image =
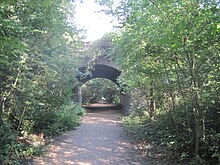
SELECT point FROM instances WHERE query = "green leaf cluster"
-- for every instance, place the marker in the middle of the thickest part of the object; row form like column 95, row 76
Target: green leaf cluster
column 98, row 89
column 39, row 53
column 169, row 51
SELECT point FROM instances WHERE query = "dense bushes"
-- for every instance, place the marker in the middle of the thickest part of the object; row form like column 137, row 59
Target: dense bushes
column 52, row 123
column 172, row 145
column 7, row 144
column 38, row 61
column 17, row 145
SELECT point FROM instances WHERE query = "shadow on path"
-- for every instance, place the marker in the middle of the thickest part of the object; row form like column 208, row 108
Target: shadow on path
column 99, row 140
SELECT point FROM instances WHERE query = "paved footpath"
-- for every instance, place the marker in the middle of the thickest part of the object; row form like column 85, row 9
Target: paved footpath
column 99, row 140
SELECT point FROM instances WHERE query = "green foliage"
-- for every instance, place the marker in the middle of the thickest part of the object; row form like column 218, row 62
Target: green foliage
column 51, row 123
column 39, row 54
column 160, row 134
column 7, row 144
column 100, row 50
column 11, row 149
column 98, row 89
column 169, row 52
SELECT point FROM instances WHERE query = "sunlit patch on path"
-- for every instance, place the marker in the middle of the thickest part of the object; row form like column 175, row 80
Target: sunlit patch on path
column 98, row 106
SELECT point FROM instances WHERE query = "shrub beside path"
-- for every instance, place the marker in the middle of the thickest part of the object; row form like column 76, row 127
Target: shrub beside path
column 99, row 140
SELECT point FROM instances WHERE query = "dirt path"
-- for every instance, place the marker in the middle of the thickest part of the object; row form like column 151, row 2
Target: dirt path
column 99, row 140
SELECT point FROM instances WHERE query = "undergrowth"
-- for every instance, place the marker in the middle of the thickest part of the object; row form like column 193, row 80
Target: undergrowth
column 52, row 123
column 173, row 146
column 17, row 145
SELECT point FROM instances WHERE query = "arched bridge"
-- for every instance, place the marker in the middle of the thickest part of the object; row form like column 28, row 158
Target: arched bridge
column 98, row 71
column 102, row 69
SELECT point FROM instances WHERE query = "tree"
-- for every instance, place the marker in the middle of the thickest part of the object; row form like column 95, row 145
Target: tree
column 39, row 54
column 169, row 51
column 97, row 89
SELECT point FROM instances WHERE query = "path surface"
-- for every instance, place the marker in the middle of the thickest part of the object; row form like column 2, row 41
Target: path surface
column 99, row 140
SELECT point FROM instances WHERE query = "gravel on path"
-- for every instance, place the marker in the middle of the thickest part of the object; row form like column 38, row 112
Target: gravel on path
column 99, row 140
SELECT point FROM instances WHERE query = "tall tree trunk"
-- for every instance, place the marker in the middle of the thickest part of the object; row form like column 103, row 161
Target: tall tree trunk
column 151, row 104
column 181, row 86
column 2, row 109
column 173, row 116
column 197, row 132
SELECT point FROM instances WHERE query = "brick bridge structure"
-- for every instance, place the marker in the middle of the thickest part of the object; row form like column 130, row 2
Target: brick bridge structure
column 102, row 69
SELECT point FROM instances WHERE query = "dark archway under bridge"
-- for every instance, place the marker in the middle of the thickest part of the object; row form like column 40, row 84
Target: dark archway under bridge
column 102, row 70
